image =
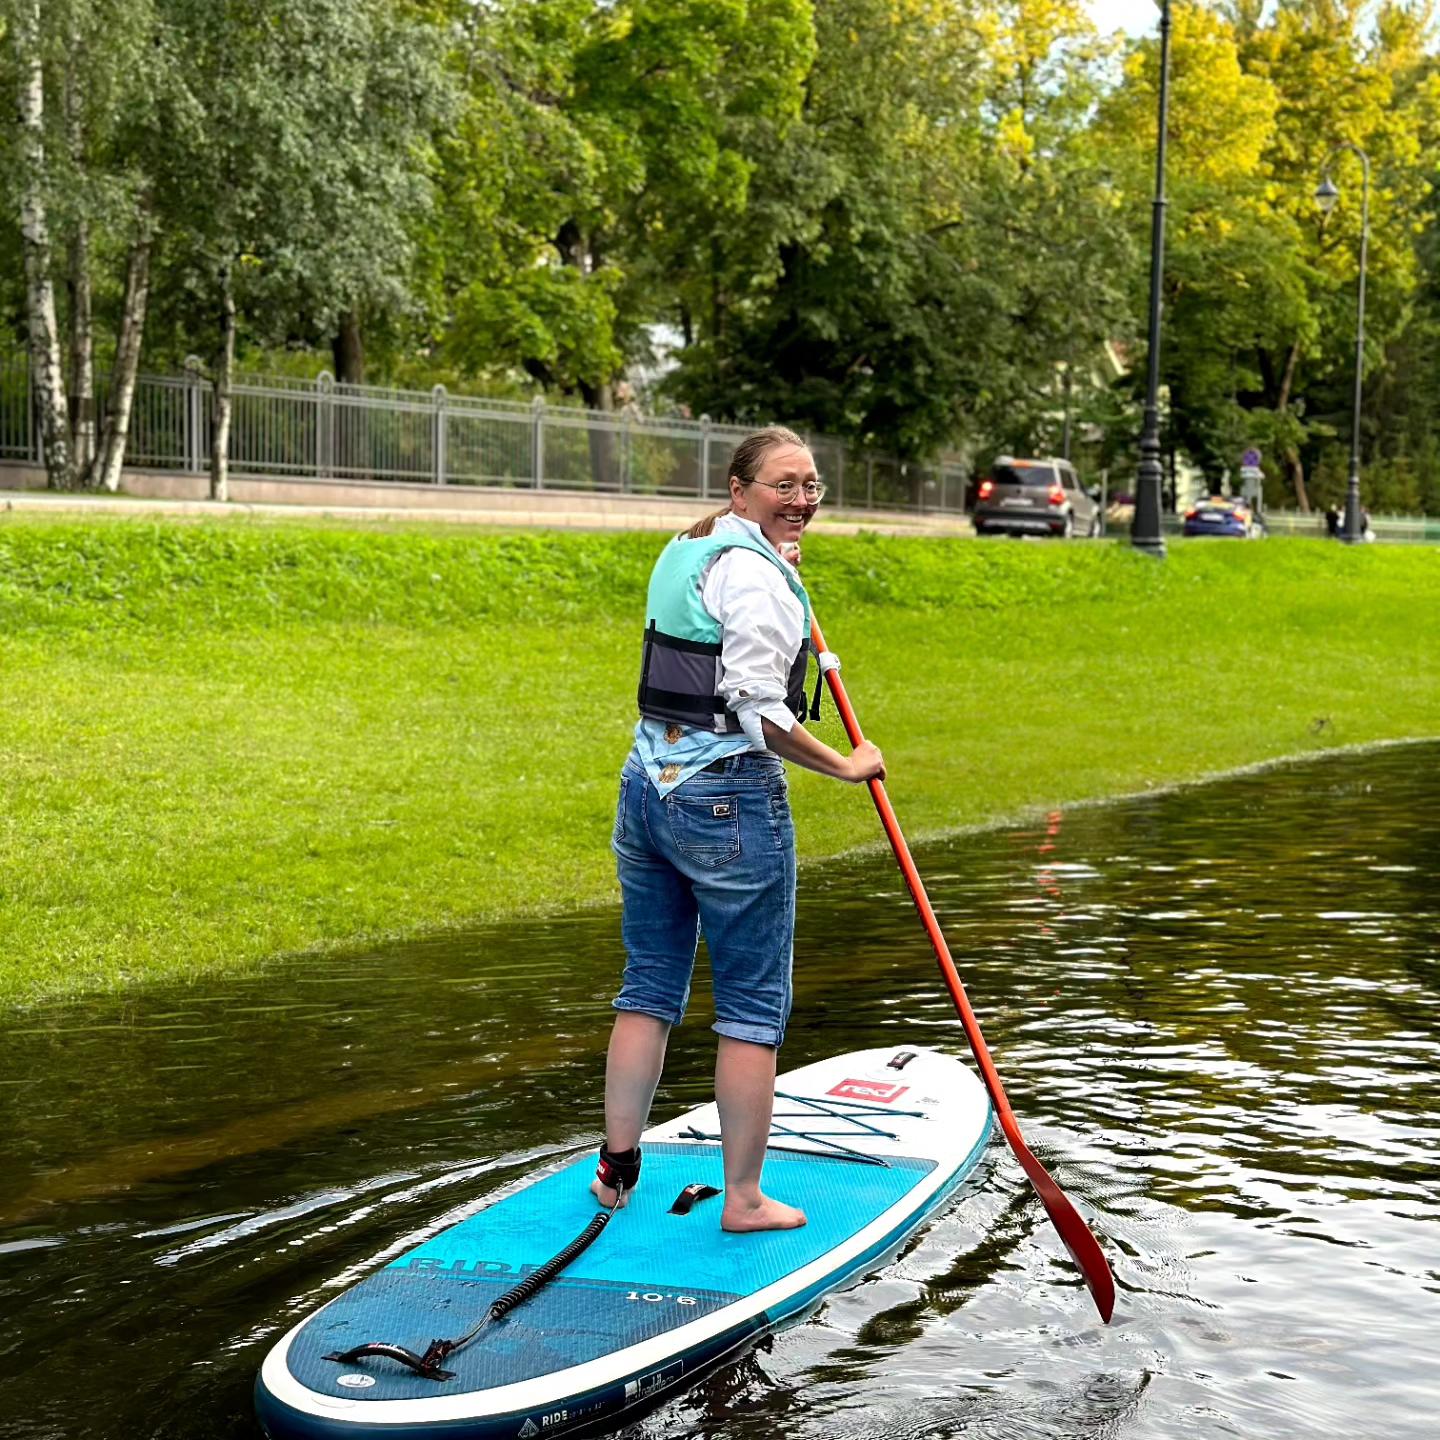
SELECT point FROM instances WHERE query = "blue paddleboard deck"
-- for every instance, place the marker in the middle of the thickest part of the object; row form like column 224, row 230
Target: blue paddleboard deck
column 868, row 1153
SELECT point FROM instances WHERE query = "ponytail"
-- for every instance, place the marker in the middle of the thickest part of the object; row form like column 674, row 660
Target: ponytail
column 702, row 527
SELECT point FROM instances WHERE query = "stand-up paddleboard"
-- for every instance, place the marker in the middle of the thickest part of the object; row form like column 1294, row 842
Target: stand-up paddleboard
column 869, row 1145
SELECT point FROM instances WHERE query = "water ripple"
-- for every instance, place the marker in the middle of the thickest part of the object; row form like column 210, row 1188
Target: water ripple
column 1215, row 1012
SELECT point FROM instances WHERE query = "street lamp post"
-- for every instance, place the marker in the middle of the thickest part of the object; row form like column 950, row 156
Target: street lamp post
column 1325, row 196
column 1145, row 528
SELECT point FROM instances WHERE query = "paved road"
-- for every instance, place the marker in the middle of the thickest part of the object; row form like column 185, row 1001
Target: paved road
column 547, row 509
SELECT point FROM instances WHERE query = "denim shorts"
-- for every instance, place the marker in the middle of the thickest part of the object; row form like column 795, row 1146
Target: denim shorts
column 717, row 854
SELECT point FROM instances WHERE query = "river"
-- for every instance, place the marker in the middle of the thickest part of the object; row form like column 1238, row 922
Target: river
column 1215, row 1011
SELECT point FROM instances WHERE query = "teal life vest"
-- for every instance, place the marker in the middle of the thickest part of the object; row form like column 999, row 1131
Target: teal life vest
column 680, row 666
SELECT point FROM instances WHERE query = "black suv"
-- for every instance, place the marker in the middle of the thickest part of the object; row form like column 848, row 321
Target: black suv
column 1034, row 497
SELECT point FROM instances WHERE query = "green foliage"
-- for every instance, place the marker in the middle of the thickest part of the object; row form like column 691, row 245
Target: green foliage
column 1260, row 291
column 929, row 246
column 592, row 138
column 287, row 141
column 915, row 224
column 109, row 68
column 295, row 158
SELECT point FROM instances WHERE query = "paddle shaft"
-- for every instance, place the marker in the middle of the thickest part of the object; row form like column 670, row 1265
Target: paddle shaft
column 1067, row 1220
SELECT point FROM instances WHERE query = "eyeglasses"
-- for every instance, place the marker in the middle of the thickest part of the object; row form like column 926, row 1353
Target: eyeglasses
column 787, row 490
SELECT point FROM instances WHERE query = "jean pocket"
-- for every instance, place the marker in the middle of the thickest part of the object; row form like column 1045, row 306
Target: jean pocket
column 706, row 828
column 617, row 835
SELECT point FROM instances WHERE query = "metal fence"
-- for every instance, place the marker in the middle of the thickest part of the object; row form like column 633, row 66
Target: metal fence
column 319, row 430
column 1395, row 529
column 18, row 440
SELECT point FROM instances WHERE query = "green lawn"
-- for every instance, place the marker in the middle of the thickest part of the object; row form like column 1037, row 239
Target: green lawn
column 224, row 740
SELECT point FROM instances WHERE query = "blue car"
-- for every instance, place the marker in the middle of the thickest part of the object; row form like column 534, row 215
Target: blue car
column 1221, row 516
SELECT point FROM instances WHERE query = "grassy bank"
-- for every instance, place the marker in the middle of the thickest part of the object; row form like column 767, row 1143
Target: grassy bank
column 219, row 741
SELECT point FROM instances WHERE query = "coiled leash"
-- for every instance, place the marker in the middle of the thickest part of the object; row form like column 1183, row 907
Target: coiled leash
column 619, row 1170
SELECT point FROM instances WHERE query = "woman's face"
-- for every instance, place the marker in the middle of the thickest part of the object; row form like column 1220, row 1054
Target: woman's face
column 782, row 522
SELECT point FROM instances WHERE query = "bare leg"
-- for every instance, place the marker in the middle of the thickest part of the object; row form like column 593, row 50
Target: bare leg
column 632, row 1071
column 745, row 1093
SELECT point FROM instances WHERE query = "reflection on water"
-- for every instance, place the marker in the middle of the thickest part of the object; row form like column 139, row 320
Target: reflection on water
column 1215, row 1012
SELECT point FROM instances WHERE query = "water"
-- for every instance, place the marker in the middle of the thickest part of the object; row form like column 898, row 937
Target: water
column 1215, row 1012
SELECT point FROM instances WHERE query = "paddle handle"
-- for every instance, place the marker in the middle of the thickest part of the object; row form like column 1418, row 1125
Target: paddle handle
column 1067, row 1220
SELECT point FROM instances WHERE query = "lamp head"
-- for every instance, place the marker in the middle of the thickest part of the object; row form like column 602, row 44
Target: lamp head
column 1326, row 196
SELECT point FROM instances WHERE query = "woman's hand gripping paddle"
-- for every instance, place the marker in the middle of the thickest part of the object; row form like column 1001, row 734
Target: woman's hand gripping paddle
column 1073, row 1231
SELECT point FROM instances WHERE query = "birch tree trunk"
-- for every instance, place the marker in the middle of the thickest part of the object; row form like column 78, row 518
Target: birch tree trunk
column 45, row 363
column 82, row 325
column 116, row 432
column 224, row 377
column 82, row 357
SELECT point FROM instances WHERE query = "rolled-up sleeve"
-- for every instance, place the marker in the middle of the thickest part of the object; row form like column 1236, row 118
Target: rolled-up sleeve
column 761, row 627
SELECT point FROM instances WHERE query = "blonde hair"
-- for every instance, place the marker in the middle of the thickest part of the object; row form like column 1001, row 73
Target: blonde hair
column 745, row 462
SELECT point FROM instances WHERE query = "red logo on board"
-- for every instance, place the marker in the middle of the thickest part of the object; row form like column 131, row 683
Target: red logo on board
column 869, row 1090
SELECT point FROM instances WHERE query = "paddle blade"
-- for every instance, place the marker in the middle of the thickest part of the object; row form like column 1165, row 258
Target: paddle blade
column 1084, row 1248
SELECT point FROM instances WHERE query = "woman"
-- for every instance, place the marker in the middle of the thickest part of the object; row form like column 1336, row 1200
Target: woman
column 703, row 835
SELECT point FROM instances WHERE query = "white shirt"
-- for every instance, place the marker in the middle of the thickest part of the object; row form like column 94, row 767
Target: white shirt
column 762, row 624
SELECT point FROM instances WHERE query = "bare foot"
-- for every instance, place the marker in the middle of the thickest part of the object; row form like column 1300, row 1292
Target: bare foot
column 763, row 1214
column 605, row 1196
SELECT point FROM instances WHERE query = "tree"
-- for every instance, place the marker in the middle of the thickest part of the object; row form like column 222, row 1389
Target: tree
column 593, row 135
column 267, row 155
column 87, row 74
column 33, row 153
column 840, row 296
column 297, row 157
column 1050, row 201
column 1235, row 284
column 931, row 250
column 1259, row 291
column 1403, row 466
